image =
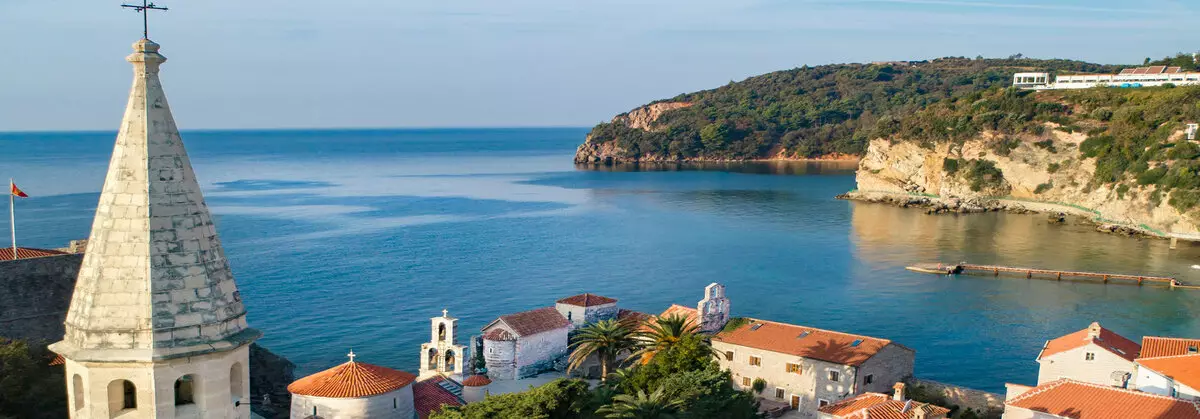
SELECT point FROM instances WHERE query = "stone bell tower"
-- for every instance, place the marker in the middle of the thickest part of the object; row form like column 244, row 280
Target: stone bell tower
column 156, row 327
column 713, row 309
column 442, row 354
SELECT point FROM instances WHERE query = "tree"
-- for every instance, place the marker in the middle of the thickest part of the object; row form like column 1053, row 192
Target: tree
column 606, row 339
column 642, row 406
column 663, row 333
column 29, row 386
column 558, row 399
column 690, row 353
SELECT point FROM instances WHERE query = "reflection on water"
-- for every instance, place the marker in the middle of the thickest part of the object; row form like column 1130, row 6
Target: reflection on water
column 774, row 167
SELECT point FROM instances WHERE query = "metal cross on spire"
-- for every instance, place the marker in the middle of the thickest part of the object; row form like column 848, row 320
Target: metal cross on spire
column 145, row 15
column 351, row 355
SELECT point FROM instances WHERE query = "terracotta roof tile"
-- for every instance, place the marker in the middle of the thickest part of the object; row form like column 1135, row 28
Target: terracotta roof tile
column 28, row 252
column 477, row 380
column 499, row 334
column 532, row 322
column 352, row 379
column 1154, row 347
column 58, row 360
column 808, row 342
column 674, row 310
column 1184, row 369
column 631, row 316
column 1079, row 400
column 429, row 396
column 1107, row 339
column 880, row 406
column 587, row 300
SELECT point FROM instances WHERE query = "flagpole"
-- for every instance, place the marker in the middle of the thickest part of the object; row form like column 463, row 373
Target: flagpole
column 12, row 216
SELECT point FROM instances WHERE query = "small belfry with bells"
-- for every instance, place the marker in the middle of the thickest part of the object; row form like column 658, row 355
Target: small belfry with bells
column 156, row 327
column 442, row 355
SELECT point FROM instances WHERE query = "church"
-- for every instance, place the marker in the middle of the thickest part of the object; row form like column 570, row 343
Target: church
column 156, row 327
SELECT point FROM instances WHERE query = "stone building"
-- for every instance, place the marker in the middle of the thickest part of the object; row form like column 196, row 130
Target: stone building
column 354, row 390
column 809, row 368
column 1095, row 355
column 525, row 344
column 156, row 327
column 879, row 405
column 442, row 355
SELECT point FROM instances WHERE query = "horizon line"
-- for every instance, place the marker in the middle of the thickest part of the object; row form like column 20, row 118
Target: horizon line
column 430, row 128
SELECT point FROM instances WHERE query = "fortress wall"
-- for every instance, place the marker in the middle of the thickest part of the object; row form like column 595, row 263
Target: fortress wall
column 35, row 294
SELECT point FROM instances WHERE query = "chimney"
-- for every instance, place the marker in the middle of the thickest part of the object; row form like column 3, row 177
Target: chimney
column 919, row 412
column 1094, row 331
column 899, row 394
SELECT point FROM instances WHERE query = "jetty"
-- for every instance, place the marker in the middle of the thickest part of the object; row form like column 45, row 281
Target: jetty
column 1031, row 273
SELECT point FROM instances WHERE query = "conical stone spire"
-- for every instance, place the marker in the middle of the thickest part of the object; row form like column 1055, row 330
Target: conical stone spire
column 155, row 283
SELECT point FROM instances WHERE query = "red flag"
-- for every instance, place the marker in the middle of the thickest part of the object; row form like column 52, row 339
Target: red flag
column 17, row 191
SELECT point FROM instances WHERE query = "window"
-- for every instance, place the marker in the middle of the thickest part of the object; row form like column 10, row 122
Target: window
column 1090, row 356
column 185, row 388
column 745, row 381
column 393, row 403
column 728, row 355
column 794, row 368
column 870, row 378
column 1192, row 349
column 822, row 402
column 756, row 361
column 77, row 388
column 237, row 389
column 779, row 393
column 122, row 395
column 834, row 376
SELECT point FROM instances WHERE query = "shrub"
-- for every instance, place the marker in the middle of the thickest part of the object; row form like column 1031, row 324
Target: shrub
column 1005, row 146
column 1102, row 114
column 1043, row 188
column 950, row 165
column 759, row 385
column 1053, row 167
column 983, row 173
column 1047, row 145
column 1152, row 176
column 1122, row 189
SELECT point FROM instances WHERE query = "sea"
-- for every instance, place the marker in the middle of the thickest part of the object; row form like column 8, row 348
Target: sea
column 347, row 240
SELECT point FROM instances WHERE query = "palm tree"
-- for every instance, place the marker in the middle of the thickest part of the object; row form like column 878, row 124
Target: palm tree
column 663, row 333
column 606, row 339
column 654, row 406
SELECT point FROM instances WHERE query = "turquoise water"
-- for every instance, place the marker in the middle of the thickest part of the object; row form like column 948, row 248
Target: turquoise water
column 353, row 239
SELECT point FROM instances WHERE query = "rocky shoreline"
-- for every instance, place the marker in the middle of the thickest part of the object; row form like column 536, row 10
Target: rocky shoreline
column 935, row 205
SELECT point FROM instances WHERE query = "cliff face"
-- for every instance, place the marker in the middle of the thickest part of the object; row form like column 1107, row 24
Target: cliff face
column 1056, row 174
column 642, row 118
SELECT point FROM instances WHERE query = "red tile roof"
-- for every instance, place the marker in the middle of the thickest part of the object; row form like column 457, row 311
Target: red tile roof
column 532, row 322
column 631, row 316
column 587, row 300
column 1184, row 369
column 352, row 379
column 28, row 252
column 1153, row 346
column 58, row 360
column 429, row 396
column 804, row 341
column 1078, row 400
column 1105, row 338
column 880, row 406
column 499, row 334
column 674, row 310
column 477, row 380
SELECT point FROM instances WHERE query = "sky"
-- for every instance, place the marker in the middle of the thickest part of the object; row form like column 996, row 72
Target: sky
column 265, row 64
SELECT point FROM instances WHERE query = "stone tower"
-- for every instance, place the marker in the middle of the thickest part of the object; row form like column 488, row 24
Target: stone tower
column 713, row 309
column 442, row 354
column 156, row 328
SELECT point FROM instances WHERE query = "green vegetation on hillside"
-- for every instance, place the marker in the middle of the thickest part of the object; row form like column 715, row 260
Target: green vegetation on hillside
column 813, row 111
column 29, row 386
column 1129, row 132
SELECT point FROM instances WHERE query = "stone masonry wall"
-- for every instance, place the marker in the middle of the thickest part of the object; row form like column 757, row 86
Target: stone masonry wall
column 35, row 294
column 978, row 400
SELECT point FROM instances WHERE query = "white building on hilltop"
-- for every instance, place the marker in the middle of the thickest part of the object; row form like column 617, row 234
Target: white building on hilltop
column 156, row 327
column 1154, row 76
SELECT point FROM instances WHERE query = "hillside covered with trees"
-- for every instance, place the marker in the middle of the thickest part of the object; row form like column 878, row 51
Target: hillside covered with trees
column 807, row 112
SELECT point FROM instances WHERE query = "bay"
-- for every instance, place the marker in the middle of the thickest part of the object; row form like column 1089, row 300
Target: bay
column 353, row 239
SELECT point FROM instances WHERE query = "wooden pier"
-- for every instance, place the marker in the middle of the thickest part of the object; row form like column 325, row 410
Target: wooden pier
column 1030, row 273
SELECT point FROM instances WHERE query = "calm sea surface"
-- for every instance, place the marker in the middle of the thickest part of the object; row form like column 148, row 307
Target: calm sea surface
column 354, row 239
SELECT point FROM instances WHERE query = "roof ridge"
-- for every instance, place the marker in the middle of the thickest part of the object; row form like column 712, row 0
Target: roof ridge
column 1038, row 390
column 1125, row 390
column 817, row 328
column 1167, row 337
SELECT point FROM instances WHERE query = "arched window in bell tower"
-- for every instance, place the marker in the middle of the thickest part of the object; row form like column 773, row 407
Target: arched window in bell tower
column 449, row 360
column 433, row 359
column 77, row 388
column 122, row 396
column 185, row 390
column 441, row 331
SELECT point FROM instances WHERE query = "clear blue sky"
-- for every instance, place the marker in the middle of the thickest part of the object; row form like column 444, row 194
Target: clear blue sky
column 452, row 63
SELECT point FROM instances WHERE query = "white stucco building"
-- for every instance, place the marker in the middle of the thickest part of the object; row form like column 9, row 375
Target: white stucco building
column 1175, row 376
column 156, row 327
column 1153, row 76
column 1071, row 399
column 809, row 368
column 1095, row 355
column 354, row 390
